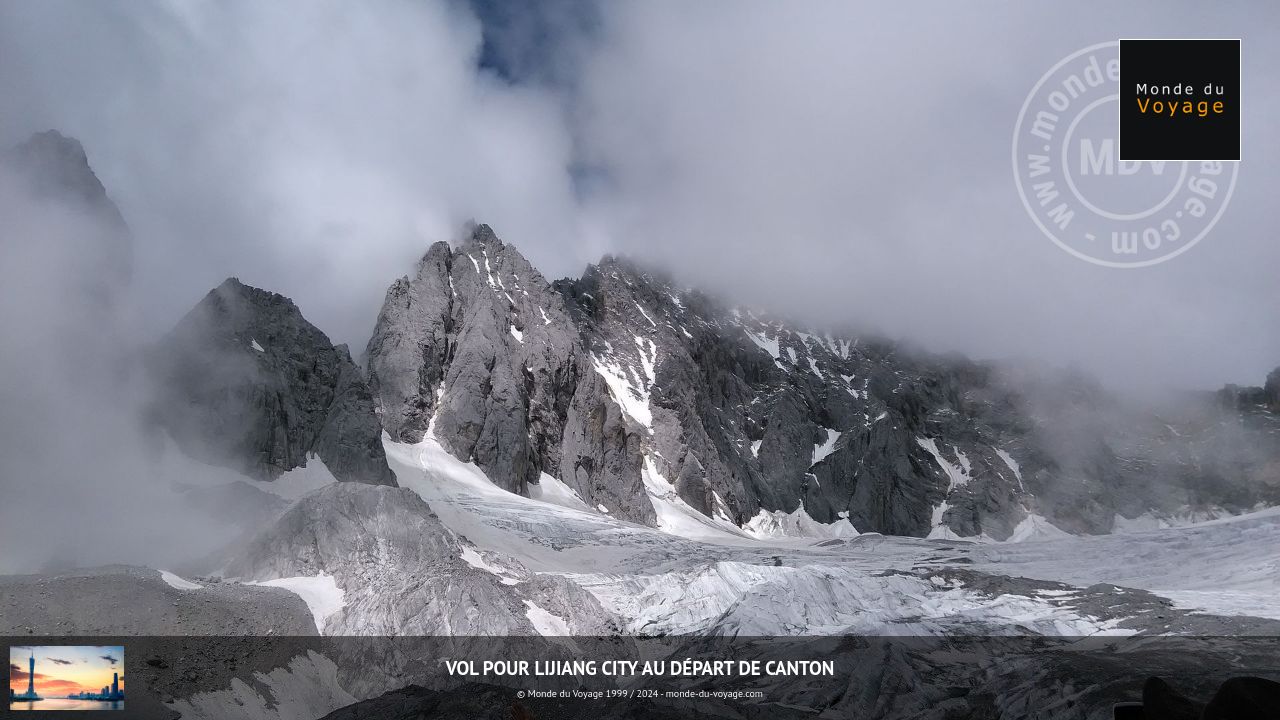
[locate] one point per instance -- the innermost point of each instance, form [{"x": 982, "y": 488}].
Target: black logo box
[{"x": 1187, "y": 68}]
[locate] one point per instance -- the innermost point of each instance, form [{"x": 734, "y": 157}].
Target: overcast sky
[{"x": 842, "y": 161}]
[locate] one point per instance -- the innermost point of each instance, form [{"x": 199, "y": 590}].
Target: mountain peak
[
  {"x": 481, "y": 234},
  {"x": 52, "y": 142},
  {"x": 50, "y": 166},
  {"x": 245, "y": 381},
  {"x": 53, "y": 163},
  {"x": 234, "y": 286}
]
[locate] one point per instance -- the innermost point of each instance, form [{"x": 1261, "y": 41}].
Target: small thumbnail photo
[{"x": 66, "y": 677}]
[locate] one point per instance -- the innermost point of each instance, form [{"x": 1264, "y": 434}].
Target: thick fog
[
  {"x": 82, "y": 482},
  {"x": 840, "y": 163}
]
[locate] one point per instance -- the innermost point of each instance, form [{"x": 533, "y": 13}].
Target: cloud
[
  {"x": 60, "y": 661},
  {"x": 310, "y": 148},
  {"x": 73, "y": 385},
  {"x": 849, "y": 162},
  {"x": 110, "y": 658},
  {"x": 838, "y": 162},
  {"x": 55, "y": 686}
]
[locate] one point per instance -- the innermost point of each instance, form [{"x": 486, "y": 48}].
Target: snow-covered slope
[
  {"x": 511, "y": 564},
  {"x": 1229, "y": 566},
  {"x": 377, "y": 561}
]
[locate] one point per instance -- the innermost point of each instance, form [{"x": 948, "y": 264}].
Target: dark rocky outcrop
[{"x": 244, "y": 381}]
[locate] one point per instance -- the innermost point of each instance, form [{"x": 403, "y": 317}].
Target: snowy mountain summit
[{"x": 654, "y": 403}]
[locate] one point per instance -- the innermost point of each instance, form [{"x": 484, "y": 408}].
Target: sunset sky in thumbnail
[{"x": 65, "y": 669}]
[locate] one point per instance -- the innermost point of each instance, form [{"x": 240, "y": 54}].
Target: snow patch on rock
[
  {"x": 1034, "y": 528},
  {"x": 547, "y": 624},
  {"x": 321, "y": 594},
  {"x": 768, "y": 345},
  {"x": 798, "y": 523},
  {"x": 957, "y": 476},
  {"x": 1013, "y": 465},
  {"x": 308, "y": 688},
  {"x": 176, "y": 582},
  {"x": 646, "y": 315},
  {"x": 677, "y": 517},
  {"x": 826, "y": 448},
  {"x": 632, "y": 397},
  {"x": 551, "y": 490}
]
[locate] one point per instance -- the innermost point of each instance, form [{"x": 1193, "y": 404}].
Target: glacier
[{"x": 789, "y": 575}]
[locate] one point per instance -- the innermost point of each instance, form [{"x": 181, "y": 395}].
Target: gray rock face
[
  {"x": 627, "y": 387},
  {"x": 244, "y": 381},
  {"x": 604, "y": 451},
  {"x": 741, "y": 414},
  {"x": 479, "y": 347},
  {"x": 402, "y": 572},
  {"x": 408, "y": 352}
]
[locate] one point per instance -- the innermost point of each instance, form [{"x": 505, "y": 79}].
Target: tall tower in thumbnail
[
  {"x": 31, "y": 675},
  {"x": 115, "y": 684}
]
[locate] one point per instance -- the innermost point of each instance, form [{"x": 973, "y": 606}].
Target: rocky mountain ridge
[
  {"x": 648, "y": 399},
  {"x": 655, "y": 403}
]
